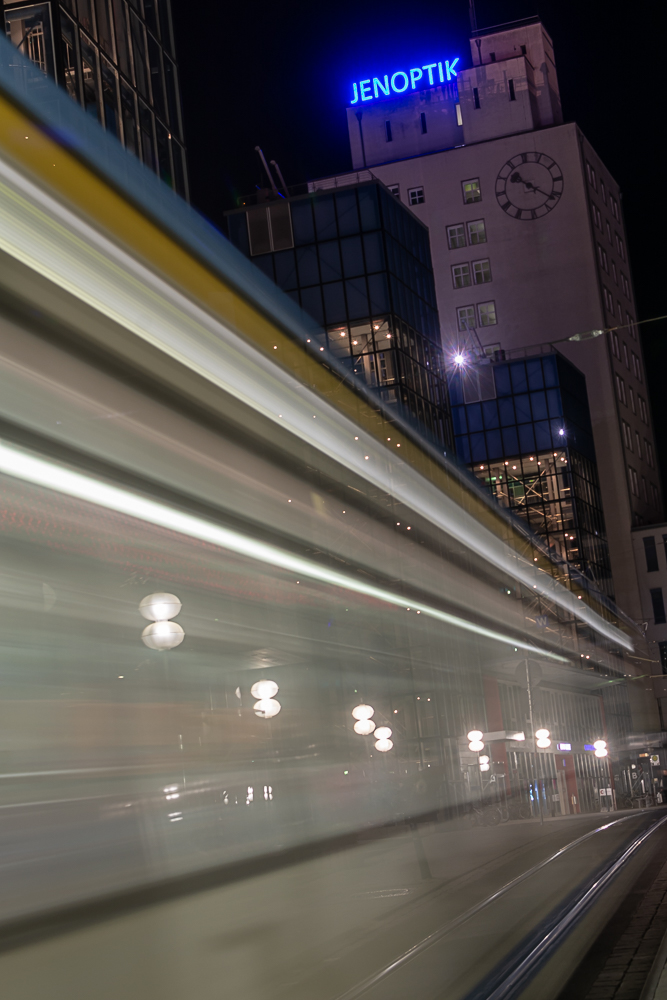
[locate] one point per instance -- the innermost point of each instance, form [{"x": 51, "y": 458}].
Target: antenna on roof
[
  {"x": 268, "y": 172},
  {"x": 280, "y": 177},
  {"x": 473, "y": 16}
]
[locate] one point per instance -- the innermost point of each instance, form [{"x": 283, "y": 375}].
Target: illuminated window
[
  {"x": 459, "y": 119},
  {"x": 482, "y": 271},
  {"x": 476, "y": 232},
  {"x": 471, "y": 191},
  {"x": 456, "y": 237},
  {"x": 466, "y": 318},
  {"x": 416, "y": 196},
  {"x": 487, "y": 314},
  {"x": 461, "y": 275}
]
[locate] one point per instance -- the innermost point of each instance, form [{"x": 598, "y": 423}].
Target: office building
[
  {"x": 527, "y": 239},
  {"x": 651, "y": 558},
  {"x": 359, "y": 263},
  {"x": 117, "y": 60},
  {"x": 523, "y": 428}
]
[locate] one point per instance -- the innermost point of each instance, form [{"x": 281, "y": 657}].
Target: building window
[
  {"x": 487, "y": 314},
  {"x": 662, "y": 646},
  {"x": 627, "y": 435},
  {"x": 636, "y": 366},
  {"x": 416, "y": 196},
  {"x": 510, "y": 84},
  {"x": 387, "y": 131},
  {"x": 475, "y": 97},
  {"x": 597, "y": 218},
  {"x": 394, "y": 189},
  {"x": 625, "y": 284},
  {"x": 608, "y": 300},
  {"x": 626, "y": 356},
  {"x": 620, "y": 247},
  {"x": 602, "y": 257},
  {"x": 471, "y": 191},
  {"x": 656, "y": 498},
  {"x": 615, "y": 346},
  {"x": 456, "y": 237},
  {"x": 643, "y": 410},
  {"x": 603, "y": 191},
  {"x": 631, "y": 324},
  {"x": 459, "y": 118},
  {"x": 270, "y": 228},
  {"x": 632, "y": 399},
  {"x": 658, "y": 603},
  {"x": 608, "y": 229},
  {"x": 476, "y": 232},
  {"x": 482, "y": 271},
  {"x": 619, "y": 308},
  {"x": 648, "y": 448},
  {"x": 634, "y": 481},
  {"x": 639, "y": 444},
  {"x": 620, "y": 389},
  {"x": 466, "y": 318},
  {"x": 590, "y": 173},
  {"x": 461, "y": 275},
  {"x": 644, "y": 492},
  {"x": 614, "y": 273},
  {"x": 423, "y": 123},
  {"x": 651, "y": 554},
  {"x": 614, "y": 209}
]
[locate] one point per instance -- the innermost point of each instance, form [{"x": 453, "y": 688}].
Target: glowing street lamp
[
  {"x": 161, "y": 634},
  {"x": 475, "y": 737},
  {"x": 363, "y": 712}
]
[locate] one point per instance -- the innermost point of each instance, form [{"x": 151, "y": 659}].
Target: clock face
[{"x": 529, "y": 185}]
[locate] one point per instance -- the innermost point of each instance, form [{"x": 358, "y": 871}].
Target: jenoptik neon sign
[{"x": 402, "y": 80}]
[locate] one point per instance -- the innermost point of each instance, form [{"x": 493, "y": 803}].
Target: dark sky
[{"x": 277, "y": 75}]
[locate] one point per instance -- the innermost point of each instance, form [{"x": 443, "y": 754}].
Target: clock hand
[{"x": 516, "y": 178}]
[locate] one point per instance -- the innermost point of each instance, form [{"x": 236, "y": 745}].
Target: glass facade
[
  {"x": 117, "y": 60},
  {"x": 524, "y": 429},
  {"x": 360, "y": 264}
]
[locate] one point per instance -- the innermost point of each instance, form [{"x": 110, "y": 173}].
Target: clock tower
[{"x": 528, "y": 247}]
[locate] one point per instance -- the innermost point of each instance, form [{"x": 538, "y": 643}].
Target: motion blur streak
[
  {"x": 36, "y": 470},
  {"x": 56, "y": 243}
]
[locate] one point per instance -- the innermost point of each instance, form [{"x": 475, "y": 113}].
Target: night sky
[{"x": 277, "y": 75}]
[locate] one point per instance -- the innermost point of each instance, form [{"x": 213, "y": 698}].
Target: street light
[
  {"x": 363, "y": 712},
  {"x": 364, "y": 727},
  {"x": 475, "y": 737},
  {"x": 383, "y": 745},
  {"x": 600, "y": 748},
  {"x": 161, "y": 634},
  {"x": 542, "y": 738}
]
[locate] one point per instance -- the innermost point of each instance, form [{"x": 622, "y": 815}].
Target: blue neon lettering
[
  {"x": 365, "y": 90},
  {"x": 378, "y": 87},
  {"x": 450, "y": 68},
  {"x": 400, "y": 90},
  {"x": 429, "y": 69}
]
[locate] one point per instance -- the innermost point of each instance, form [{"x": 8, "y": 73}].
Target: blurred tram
[{"x": 272, "y": 665}]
